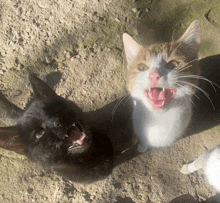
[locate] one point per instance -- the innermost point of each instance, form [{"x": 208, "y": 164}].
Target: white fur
[
  {"x": 210, "y": 163},
  {"x": 212, "y": 169},
  {"x": 160, "y": 128}
]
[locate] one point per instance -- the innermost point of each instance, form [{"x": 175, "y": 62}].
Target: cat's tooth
[
  {"x": 78, "y": 142},
  {"x": 66, "y": 135},
  {"x": 163, "y": 88}
]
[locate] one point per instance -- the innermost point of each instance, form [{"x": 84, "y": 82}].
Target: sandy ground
[{"x": 79, "y": 43}]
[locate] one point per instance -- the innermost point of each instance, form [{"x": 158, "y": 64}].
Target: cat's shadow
[
  {"x": 115, "y": 121},
  {"x": 206, "y": 103},
  {"x": 53, "y": 78}
]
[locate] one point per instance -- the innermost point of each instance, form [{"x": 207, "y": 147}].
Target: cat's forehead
[
  {"x": 161, "y": 50},
  {"x": 157, "y": 61}
]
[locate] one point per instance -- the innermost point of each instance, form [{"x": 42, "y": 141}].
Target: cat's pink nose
[{"x": 154, "y": 77}]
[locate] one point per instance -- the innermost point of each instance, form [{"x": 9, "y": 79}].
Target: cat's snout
[{"x": 154, "y": 78}]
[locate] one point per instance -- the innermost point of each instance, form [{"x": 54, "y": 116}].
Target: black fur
[{"x": 46, "y": 127}]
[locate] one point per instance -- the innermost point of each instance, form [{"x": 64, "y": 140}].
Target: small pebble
[
  {"x": 117, "y": 20},
  {"x": 134, "y": 10},
  {"x": 47, "y": 59}
]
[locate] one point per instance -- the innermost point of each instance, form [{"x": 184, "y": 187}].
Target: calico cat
[
  {"x": 52, "y": 132},
  {"x": 161, "y": 79},
  {"x": 210, "y": 163}
]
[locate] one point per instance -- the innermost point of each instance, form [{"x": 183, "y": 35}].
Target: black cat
[{"x": 52, "y": 131}]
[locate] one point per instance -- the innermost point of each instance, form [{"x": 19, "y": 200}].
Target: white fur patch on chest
[
  {"x": 160, "y": 128},
  {"x": 162, "y": 132}
]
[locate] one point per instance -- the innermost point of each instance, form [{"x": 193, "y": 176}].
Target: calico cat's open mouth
[{"x": 158, "y": 97}]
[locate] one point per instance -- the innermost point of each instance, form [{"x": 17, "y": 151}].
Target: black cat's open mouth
[
  {"x": 76, "y": 137},
  {"x": 158, "y": 97}
]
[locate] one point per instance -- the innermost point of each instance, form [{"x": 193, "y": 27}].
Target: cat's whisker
[
  {"x": 191, "y": 61},
  {"x": 202, "y": 78},
  {"x": 127, "y": 98},
  {"x": 118, "y": 103},
  {"x": 186, "y": 89},
  {"x": 115, "y": 106},
  {"x": 189, "y": 99},
  {"x": 204, "y": 92},
  {"x": 179, "y": 70},
  {"x": 12, "y": 139},
  {"x": 80, "y": 126}
]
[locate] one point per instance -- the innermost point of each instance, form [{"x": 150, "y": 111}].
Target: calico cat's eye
[
  {"x": 39, "y": 133},
  {"x": 142, "y": 67},
  {"x": 172, "y": 64}
]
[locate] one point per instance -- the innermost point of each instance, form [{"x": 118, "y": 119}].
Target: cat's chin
[{"x": 159, "y": 97}]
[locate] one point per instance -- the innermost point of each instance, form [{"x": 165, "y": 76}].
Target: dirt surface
[{"x": 76, "y": 46}]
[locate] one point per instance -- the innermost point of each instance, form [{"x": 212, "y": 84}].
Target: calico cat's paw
[
  {"x": 142, "y": 148},
  {"x": 184, "y": 170},
  {"x": 188, "y": 168}
]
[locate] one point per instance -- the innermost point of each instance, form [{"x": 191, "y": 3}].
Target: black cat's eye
[
  {"x": 142, "y": 67},
  {"x": 172, "y": 64},
  {"x": 57, "y": 123},
  {"x": 39, "y": 133}
]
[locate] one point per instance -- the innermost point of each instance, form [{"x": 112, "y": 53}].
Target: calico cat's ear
[
  {"x": 12, "y": 111},
  {"x": 191, "y": 38},
  {"x": 132, "y": 48},
  {"x": 41, "y": 90},
  {"x": 10, "y": 140}
]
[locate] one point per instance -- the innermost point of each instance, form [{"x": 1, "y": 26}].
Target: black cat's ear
[
  {"x": 41, "y": 90},
  {"x": 12, "y": 111},
  {"x": 10, "y": 140}
]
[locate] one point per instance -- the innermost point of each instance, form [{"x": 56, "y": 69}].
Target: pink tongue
[
  {"x": 158, "y": 97},
  {"x": 155, "y": 94},
  {"x": 76, "y": 136}
]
